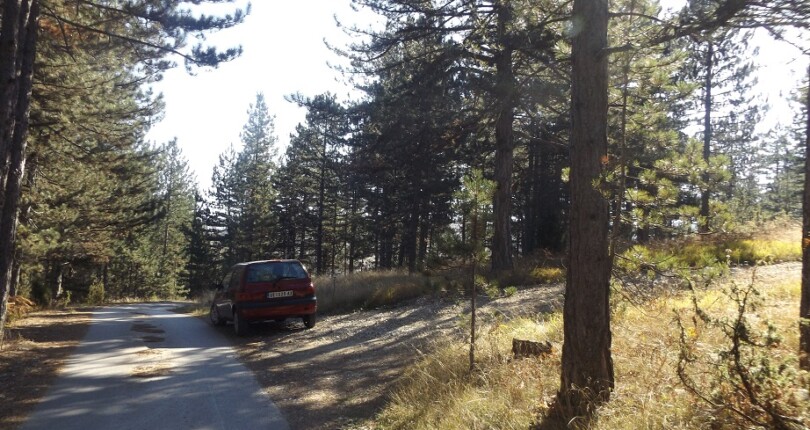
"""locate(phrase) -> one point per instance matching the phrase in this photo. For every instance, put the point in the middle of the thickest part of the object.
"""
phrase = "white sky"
(284, 53)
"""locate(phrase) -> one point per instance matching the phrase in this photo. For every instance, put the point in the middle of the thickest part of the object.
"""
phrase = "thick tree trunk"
(707, 137)
(16, 169)
(804, 307)
(9, 49)
(505, 88)
(587, 366)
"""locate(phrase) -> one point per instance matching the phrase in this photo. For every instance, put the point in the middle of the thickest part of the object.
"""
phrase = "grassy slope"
(439, 392)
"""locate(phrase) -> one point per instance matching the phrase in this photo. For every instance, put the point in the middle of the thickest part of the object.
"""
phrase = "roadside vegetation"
(706, 351)
(440, 392)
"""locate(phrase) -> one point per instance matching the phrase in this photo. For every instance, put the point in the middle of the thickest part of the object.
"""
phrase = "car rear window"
(273, 271)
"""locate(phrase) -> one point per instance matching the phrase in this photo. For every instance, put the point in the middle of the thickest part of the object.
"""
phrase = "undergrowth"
(439, 392)
(371, 289)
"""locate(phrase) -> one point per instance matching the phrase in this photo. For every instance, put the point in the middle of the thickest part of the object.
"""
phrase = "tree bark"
(16, 168)
(707, 137)
(504, 145)
(9, 47)
(804, 307)
(587, 367)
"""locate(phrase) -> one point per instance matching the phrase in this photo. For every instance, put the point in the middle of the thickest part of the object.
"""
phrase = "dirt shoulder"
(338, 374)
(34, 349)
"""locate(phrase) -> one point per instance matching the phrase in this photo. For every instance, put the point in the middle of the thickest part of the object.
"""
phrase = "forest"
(490, 131)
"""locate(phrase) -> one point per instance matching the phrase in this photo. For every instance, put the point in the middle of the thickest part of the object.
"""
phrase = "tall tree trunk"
(707, 137)
(9, 51)
(587, 366)
(25, 213)
(410, 240)
(424, 231)
(319, 260)
(473, 289)
(804, 307)
(353, 234)
(621, 152)
(505, 88)
(530, 208)
(16, 170)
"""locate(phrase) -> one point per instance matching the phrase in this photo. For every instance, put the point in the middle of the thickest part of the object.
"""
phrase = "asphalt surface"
(144, 367)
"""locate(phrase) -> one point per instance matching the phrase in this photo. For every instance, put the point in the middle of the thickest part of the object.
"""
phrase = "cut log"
(528, 348)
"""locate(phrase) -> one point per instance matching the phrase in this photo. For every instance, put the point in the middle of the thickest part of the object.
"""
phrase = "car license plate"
(276, 294)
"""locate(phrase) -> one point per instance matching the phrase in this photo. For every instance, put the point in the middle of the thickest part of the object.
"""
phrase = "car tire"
(240, 326)
(213, 315)
(309, 320)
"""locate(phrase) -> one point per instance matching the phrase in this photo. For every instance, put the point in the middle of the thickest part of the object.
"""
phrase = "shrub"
(95, 296)
(740, 376)
(548, 275)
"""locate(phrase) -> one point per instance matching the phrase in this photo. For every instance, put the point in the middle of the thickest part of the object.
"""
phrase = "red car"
(264, 290)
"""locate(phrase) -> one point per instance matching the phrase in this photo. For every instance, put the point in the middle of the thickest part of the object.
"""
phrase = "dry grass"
(370, 289)
(440, 393)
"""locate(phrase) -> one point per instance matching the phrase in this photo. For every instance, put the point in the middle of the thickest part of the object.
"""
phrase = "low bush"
(95, 296)
(18, 307)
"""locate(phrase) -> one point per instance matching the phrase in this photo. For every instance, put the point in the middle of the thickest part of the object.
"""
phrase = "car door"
(224, 299)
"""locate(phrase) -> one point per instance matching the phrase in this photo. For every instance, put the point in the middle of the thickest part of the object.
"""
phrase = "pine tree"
(315, 169)
(254, 168)
(587, 366)
(485, 40)
(728, 114)
(243, 194)
(144, 34)
(203, 266)
(177, 206)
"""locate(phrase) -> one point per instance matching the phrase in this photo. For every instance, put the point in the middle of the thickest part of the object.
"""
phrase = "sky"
(284, 53)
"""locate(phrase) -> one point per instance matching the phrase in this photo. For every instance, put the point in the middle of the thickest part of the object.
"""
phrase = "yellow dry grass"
(439, 392)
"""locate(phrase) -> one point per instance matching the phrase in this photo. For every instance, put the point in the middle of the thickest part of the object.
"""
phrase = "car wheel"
(309, 320)
(213, 315)
(240, 326)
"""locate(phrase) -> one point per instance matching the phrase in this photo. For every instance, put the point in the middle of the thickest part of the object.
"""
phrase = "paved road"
(144, 367)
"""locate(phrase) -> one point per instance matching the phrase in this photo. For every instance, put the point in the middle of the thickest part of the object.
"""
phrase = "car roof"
(247, 263)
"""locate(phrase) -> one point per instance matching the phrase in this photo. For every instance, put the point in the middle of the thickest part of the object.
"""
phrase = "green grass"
(691, 254)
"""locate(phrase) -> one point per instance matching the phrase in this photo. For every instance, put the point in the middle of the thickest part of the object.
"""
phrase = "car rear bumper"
(278, 308)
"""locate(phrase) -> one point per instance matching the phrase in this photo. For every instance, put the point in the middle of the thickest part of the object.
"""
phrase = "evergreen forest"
(493, 131)
(378, 183)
